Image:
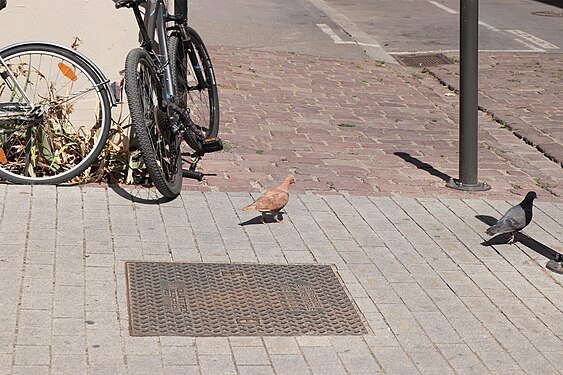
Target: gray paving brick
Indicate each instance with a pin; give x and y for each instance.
(289, 364)
(30, 370)
(7, 341)
(178, 356)
(494, 357)
(320, 357)
(395, 361)
(532, 361)
(69, 364)
(437, 327)
(102, 353)
(407, 331)
(65, 345)
(144, 365)
(213, 346)
(31, 355)
(255, 370)
(247, 356)
(462, 359)
(181, 370)
(313, 341)
(279, 345)
(216, 364)
(5, 362)
(414, 297)
(34, 335)
(430, 361)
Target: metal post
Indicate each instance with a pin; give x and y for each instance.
(468, 107)
(181, 7)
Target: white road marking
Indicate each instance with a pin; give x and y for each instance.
(328, 31)
(492, 28)
(529, 45)
(443, 7)
(531, 41)
(368, 43)
(534, 39)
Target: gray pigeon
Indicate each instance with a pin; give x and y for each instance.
(515, 219)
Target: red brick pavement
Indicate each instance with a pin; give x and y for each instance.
(524, 92)
(354, 128)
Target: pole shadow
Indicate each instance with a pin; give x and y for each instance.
(424, 166)
(529, 242)
(554, 3)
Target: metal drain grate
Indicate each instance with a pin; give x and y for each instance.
(422, 60)
(209, 299)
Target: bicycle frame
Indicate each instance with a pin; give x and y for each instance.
(12, 82)
(155, 22)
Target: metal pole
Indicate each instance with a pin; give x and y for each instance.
(181, 7)
(468, 107)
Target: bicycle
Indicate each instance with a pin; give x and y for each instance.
(172, 94)
(55, 112)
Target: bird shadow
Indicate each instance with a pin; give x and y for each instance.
(529, 242)
(422, 165)
(258, 220)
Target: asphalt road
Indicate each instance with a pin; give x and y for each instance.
(330, 28)
(343, 28)
(280, 25)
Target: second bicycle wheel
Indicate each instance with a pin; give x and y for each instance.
(72, 119)
(194, 80)
(160, 147)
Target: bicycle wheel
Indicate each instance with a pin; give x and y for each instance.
(194, 79)
(73, 119)
(159, 146)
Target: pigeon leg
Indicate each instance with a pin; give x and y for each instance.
(512, 238)
(263, 217)
(279, 218)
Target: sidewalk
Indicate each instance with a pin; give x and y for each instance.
(371, 147)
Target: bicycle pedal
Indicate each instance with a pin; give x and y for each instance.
(212, 145)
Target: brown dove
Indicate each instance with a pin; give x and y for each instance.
(273, 200)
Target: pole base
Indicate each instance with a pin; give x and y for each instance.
(458, 185)
(556, 265)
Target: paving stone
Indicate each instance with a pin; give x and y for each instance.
(216, 364)
(31, 355)
(144, 365)
(289, 364)
(408, 250)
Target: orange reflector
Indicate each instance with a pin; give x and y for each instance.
(67, 71)
(3, 158)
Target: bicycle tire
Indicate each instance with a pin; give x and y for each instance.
(160, 147)
(77, 119)
(199, 95)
